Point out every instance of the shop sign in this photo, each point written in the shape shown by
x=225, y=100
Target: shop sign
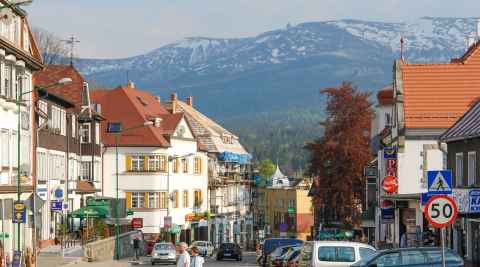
x=190, y=217
x=20, y=212
x=474, y=200
x=137, y=223
x=387, y=211
x=390, y=152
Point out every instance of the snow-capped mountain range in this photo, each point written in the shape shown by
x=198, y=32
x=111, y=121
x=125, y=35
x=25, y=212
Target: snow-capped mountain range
x=285, y=67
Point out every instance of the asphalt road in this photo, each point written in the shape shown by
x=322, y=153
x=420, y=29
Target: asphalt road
x=249, y=259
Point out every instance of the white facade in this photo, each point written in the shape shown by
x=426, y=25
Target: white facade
x=170, y=180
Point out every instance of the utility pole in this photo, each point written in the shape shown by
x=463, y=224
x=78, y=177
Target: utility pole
x=71, y=41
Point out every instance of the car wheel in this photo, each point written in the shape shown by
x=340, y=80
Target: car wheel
x=153, y=263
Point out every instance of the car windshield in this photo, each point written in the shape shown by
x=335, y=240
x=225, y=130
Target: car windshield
x=228, y=246
x=164, y=246
x=199, y=244
x=364, y=260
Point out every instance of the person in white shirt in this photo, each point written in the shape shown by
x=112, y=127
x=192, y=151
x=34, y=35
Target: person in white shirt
x=196, y=260
x=184, y=258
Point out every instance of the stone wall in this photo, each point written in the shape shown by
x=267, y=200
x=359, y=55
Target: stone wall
x=104, y=249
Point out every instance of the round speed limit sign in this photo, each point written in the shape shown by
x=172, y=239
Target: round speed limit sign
x=441, y=211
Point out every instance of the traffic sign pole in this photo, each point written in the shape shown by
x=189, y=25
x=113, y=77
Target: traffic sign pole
x=442, y=231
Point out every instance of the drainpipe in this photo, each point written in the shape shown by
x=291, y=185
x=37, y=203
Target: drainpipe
x=104, y=150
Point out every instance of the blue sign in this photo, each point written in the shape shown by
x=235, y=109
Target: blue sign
x=19, y=213
x=58, y=193
x=387, y=210
x=17, y=259
x=425, y=198
x=474, y=200
x=56, y=205
x=390, y=152
x=439, y=182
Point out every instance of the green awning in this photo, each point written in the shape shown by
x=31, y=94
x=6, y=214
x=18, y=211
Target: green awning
x=91, y=212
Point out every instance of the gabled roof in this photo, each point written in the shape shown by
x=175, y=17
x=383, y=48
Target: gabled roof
x=208, y=132
x=132, y=107
x=436, y=95
x=51, y=74
x=468, y=126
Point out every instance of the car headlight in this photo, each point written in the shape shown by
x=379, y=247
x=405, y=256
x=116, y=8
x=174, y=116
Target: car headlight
x=155, y=254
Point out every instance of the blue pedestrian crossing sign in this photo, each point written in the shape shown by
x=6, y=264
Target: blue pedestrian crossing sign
x=439, y=182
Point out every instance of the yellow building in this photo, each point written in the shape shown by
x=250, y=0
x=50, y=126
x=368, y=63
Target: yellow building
x=288, y=208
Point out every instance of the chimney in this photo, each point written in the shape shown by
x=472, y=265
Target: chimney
x=190, y=101
x=173, y=97
x=159, y=100
x=130, y=84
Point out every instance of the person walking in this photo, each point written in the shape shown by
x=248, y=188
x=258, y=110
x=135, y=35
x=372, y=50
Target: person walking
x=196, y=259
x=184, y=258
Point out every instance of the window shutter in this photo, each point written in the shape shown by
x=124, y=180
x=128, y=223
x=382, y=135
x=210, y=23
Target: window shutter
x=128, y=200
x=128, y=163
x=200, y=165
x=200, y=198
x=145, y=163
x=147, y=205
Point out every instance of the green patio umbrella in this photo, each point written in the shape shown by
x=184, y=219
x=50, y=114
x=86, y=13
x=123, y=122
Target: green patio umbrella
x=90, y=212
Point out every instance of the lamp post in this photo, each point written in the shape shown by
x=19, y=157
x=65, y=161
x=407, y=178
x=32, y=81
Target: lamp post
x=19, y=119
x=116, y=128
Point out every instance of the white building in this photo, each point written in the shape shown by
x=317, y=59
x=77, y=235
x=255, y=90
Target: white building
x=229, y=174
x=155, y=163
x=19, y=58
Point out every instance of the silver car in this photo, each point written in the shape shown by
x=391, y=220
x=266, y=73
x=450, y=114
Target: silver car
x=164, y=253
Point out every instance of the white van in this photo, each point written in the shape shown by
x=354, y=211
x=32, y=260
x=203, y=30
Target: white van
x=333, y=253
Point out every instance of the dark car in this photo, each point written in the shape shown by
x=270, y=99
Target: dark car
x=275, y=259
x=269, y=245
x=292, y=258
x=229, y=251
x=426, y=256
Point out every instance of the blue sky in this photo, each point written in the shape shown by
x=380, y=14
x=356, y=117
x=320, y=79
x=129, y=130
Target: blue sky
x=121, y=28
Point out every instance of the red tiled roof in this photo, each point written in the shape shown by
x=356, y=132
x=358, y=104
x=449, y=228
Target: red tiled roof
x=132, y=107
x=53, y=73
x=436, y=95
x=385, y=96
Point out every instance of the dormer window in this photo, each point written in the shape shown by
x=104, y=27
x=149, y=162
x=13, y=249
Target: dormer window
x=227, y=139
x=157, y=122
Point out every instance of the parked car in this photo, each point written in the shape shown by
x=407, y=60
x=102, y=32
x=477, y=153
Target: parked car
x=164, y=253
x=272, y=243
x=275, y=258
x=425, y=256
x=290, y=256
x=333, y=253
x=230, y=251
x=205, y=247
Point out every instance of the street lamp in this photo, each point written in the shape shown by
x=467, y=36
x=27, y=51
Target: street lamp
x=116, y=128
x=19, y=101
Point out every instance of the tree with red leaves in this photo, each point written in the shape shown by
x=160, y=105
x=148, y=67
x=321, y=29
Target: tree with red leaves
x=338, y=157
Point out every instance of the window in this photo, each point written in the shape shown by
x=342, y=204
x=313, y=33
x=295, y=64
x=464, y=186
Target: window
x=86, y=170
x=5, y=147
x=138, y=163
x=176, y=165
x=163, y=163
x=185, y=165
x=163, y=200
x=391, y=259
x=413, y=258
x=8, y=80
x=185, y=199
x=26, y=39
x=388, y=120
x=459, y=169
x=197, y=166
x=58, y=120
x=42, y=166
x=138, y=200
x=365, y=252
x=153, y=199
x=175, y=199
x=472, y=160
x=97, y=133
x=43, y=106
x=63, y=122
x=336, y=254
x=14, y=142
x=74, y=126
x=84, y=133
x=227, y=139
x=153, y=163
x=197, y=194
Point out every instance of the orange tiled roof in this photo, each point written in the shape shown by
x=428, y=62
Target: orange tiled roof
x=132, y=107
x=385, y=95
x=436, y=95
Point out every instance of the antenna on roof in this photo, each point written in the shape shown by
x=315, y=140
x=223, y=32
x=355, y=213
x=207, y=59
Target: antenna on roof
x=72, y=40
x=401, y=47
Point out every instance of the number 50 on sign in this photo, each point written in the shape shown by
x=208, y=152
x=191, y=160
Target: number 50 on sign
x=441, y=211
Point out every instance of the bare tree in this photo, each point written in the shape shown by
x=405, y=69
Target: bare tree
x=53, y=49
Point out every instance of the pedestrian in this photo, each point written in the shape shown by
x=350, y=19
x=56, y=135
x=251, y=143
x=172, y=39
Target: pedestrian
x=196, y=260
x=136, y=246
x=184, y=258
